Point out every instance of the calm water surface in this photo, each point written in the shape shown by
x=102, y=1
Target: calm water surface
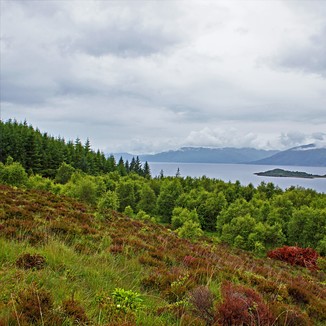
x=242, y=172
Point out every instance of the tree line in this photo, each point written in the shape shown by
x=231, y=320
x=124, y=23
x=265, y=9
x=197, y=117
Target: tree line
x=41, y=153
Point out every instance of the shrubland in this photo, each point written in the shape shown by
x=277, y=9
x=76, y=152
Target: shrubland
x=63, y=264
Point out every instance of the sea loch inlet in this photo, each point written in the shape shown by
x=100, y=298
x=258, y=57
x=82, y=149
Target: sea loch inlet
x=242, y=172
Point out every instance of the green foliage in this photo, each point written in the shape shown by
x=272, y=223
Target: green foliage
x=169, y=193
x=64, y=173
x=239, y=208
x=126, y=194
x=255, y=225
x=141, y=215
x=147, y=171
x=128, y=211
x=243, y=216
x=13, y=173
x=181, y=215
x=307, y=227
x=127, y=299
x=109, y=201
x=237, y=232
x=84, y=187
x=147, y=200
x=40, y=183
x=321, y=247
x=210, y=208
x=43, y=154
x=190, y=230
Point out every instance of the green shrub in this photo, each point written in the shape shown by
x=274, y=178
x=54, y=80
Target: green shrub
x=141, y=215
x=190, y=230
x=126, y=299
x=181, y=215
x=128, y=211
x=13, y=173
x=108, y=201
x=64, y=173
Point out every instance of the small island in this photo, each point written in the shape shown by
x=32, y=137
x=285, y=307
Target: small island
x=289, y=174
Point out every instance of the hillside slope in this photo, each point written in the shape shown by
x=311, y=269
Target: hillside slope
x=60, y=264
x=209, y=155
x=307, y=155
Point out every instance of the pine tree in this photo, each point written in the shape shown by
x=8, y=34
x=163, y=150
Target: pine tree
x=147, y=171
x=127, y=166
x=132, y=166
x=138, y=166
x=121, y=167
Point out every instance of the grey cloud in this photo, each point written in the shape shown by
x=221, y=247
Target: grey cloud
x=319, y=135
x=292, y=139
x=36, y=8
x=127, y=29
x=311, y=58
x=131, y=41
x=309, y=54
x=13, y=93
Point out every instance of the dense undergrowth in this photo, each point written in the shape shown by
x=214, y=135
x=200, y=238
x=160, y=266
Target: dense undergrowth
x=64, y=264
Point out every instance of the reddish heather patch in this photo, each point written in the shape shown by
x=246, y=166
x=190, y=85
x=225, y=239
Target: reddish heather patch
x=306, y=257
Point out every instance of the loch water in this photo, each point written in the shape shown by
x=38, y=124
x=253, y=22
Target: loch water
x=242, y=172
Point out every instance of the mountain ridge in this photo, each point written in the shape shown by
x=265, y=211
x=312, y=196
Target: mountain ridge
x=203, y=155
x=304, y=155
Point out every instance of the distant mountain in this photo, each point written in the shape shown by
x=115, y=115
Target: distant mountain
x=306, y=155
x=209, y=155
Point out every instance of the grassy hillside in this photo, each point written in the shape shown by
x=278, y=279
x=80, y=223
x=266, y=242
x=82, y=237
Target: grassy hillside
x=62, y=265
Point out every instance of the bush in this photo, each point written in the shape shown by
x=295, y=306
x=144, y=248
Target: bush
x=321, y=247
x=298, y=294
x=242, y=306
x=141, y=215
x=108, y=201
x=38, y=182
x=190, y=230
x=321, y=263
x=84, y=187
x=34, y=306
x=64, y=173
x=202, y=300
x=126, y=299
x=129, y=211
x=306, y=257
x=289, y=316
x=28, y=261
x=74, y=311
x=13, y=174
x=181, y=215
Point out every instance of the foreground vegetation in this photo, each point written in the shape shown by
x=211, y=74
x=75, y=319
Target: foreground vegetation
x=63, y=264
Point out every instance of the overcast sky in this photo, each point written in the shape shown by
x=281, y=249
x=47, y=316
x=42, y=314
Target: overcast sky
x=147, y=76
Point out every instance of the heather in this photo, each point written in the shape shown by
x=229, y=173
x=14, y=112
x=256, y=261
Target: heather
x=63, y=264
